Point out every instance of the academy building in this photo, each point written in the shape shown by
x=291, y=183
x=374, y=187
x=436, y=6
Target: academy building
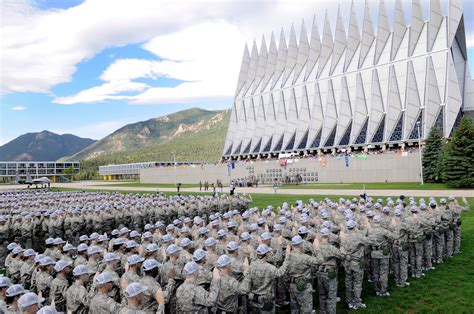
x=368, y=86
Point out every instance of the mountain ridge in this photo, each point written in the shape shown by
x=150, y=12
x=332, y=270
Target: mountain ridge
x=42, y=146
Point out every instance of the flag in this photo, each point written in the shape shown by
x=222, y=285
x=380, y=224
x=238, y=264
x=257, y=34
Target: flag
x=346, y=158
x=233, y=165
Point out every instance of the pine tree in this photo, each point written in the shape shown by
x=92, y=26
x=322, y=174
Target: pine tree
x=458, y=157
x=431, y=156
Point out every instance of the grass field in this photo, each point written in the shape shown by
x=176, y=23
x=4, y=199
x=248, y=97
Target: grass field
x=448, y=289
x=136, y=184
x=370, y=186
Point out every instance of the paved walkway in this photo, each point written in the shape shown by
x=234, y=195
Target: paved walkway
x=260, y=190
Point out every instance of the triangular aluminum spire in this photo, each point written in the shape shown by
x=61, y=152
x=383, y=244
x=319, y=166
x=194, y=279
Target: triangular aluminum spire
x=330, y=114
x=417, y=24
x=252, y=72
x=271, y=63
x=399, y=29
x=377, y=106
x=259, y=125
x=281, y=118
x=453, y=98
x=243, y=70
x=241, y=127
x=413, y=103
x=383, y=32
x=327, y=46
x=434, y=23
x=303, y=52
x=353, y=38
x=262, y=63
x=314, y=49
x=468, y=89
x=419, y=64
x=232, y=129
x=360, y=109
x=454, y=15
x=394, y=103
x=340, y=43
x=281, y=59
x=368, y=36
x=270, y=119
x=304, y=117
x=292, y=121
x=440, y=62
x=432, y=99
x=250, y=127
x=317, y=116
x=290, y=57
x=345, y=112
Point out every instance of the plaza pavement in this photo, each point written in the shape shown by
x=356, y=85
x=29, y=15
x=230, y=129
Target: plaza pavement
x=92, y=185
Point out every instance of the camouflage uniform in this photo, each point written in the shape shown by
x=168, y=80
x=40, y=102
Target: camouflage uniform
x=229, y=291
x=379, y=239
x=102, y=303
x=149, y=303
x=191, y=298
x=26, y=271
x=59, y=286
x=263, y=276
x=400, y=254
x=43, y=282
x=352, y=249
x=416, y=239
x=327, y=278
x=78, y=299
x=4, y=234
x=301, y=290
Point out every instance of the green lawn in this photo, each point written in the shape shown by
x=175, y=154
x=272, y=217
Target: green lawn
x=448, y=289
x=370, y=186
x=136, y=184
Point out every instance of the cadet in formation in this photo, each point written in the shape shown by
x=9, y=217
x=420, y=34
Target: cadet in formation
x=234, y=260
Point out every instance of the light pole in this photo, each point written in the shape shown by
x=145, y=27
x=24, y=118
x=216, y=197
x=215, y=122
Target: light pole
x=174, y=166
x=418, y=125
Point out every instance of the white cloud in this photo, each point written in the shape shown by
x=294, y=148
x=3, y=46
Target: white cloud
x=51, y=43
x=470, y=40
x=19, y=108
x=102, y=92
x=200, y=56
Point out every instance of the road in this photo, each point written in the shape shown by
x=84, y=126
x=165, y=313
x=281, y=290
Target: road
x=260, y=190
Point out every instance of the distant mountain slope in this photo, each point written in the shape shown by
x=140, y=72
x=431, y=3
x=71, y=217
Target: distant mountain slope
x=42, y=146
x=194, y=134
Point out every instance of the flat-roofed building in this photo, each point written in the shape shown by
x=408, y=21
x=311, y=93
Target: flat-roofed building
x=132, y=170
x=27, y=170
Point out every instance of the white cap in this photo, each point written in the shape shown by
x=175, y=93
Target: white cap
x=47, y=310
x=134, y=289
x=29, y=299
x=103, y=278
x=190, y=268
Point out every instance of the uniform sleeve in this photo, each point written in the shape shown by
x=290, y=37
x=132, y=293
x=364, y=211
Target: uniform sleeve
x=312, y=260
x=242, y=287
x=168, y=291
x=112, y=306
x=278, y=272
x=204, y=298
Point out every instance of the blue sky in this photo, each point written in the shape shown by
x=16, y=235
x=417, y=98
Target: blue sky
x=90, y=67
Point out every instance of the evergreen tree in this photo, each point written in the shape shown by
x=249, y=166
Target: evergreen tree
x=458, y=157
x=432, y=156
